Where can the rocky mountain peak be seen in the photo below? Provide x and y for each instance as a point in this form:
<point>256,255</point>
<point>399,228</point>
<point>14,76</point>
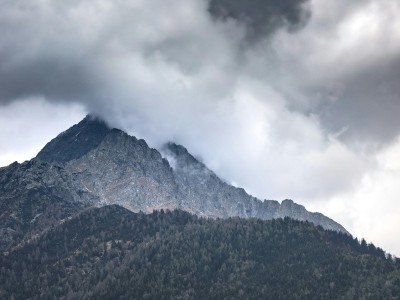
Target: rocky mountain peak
<point>76,141</point>
<point>120,169</point>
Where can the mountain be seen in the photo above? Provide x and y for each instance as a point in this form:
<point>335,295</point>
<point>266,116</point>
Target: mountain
<point>98,214</point>
<point>120,169</point>
<point>92,165</point>
<point>113,253</point>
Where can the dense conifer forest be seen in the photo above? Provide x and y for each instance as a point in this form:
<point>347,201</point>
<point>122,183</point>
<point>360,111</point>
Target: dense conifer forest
<point>112,253</point>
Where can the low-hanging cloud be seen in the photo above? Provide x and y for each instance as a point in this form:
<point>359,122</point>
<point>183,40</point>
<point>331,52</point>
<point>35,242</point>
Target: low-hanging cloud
<point>277,114</point>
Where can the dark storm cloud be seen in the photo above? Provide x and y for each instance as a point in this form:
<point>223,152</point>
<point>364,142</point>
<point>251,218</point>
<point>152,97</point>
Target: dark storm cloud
<point>262,17</point>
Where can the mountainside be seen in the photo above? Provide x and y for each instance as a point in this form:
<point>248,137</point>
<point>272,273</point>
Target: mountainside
<point>35,195</point>
<point>121,169</point>
<point>113,253</point>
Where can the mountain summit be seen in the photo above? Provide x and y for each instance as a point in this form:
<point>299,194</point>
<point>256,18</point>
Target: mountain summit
<point>117,168</point>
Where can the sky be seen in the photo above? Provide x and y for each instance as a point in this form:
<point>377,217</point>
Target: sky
<point>290,99</point>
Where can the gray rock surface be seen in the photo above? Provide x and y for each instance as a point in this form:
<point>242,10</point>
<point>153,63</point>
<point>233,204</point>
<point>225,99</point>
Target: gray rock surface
<point>34,196</point>
<point>203,193</point>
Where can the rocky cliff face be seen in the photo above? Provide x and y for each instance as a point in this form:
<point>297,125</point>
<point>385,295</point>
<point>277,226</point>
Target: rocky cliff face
<point>120,169</point>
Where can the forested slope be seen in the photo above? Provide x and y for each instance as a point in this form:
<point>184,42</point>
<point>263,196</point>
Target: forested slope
<point>111,253</point>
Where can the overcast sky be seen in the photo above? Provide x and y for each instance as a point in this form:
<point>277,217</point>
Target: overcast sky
<point>288,99</point>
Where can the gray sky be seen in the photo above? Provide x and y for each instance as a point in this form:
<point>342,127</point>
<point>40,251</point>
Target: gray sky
<point>288,99</point>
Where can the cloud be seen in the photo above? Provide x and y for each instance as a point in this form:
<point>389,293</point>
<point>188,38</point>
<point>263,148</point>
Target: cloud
<point>262,17</point>
<point>371,208</point>
<point>346,74</point>
<point>290,112</point>
<point>25,126</point>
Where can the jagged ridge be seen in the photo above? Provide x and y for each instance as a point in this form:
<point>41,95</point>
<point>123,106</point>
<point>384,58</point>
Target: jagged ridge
<point>123,170</point>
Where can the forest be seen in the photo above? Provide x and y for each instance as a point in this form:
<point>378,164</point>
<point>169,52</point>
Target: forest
<point>113,253</point>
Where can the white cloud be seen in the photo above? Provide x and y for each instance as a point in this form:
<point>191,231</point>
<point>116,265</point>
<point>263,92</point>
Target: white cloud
<point>371,209</point>
<point>342,40</point>
<point>27,125</point>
